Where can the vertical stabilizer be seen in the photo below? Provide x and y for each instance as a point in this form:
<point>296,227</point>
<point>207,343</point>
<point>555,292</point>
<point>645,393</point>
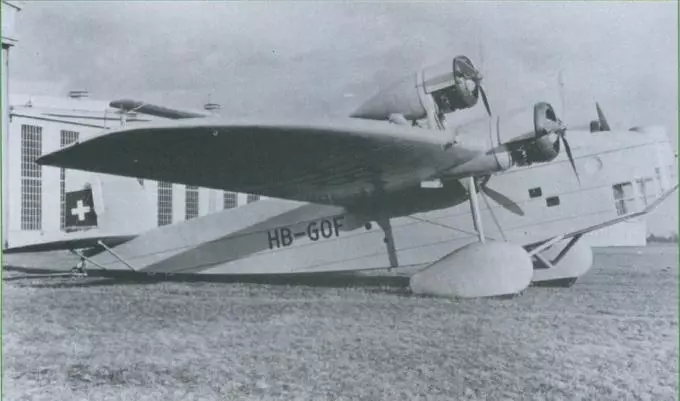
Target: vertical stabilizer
<point>111,204</point>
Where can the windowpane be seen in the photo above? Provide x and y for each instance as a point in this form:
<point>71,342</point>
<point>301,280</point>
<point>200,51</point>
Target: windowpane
<point>31,178</point>
<point>624,199</point>
<point>552,201</point>
<point>230,200</point>
<point>164,203</point>
<point>535,192</point>
<point>191,200</point>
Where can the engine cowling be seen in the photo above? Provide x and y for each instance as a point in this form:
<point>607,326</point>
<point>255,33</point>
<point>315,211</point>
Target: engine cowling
<point>439,89</point>
<point>545,146</point>
<point>532,136</point>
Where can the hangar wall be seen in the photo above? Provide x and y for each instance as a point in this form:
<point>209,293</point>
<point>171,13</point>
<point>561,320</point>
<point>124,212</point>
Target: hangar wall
<point>39,125</point>
<point>9,12</point>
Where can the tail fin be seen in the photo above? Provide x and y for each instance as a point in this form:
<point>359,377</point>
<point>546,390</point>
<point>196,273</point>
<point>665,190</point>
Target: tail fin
<point>110,203</point>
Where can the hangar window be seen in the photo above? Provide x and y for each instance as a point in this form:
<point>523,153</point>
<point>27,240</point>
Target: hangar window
<point>191,202</point>
<point>624,198</point>
<point>552,201</point>
<point>164,203</point>
<point>535,192</point>
<point>31,178</point>
<point>67,138</point>
<point>252,198</point>
<point>230,200</point>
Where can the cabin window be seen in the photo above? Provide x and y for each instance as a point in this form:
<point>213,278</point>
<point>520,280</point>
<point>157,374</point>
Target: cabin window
<point>164,203</point>
<point>552,201</point>
<point>535,192</point>
<point>191,202</point>
<point>624,198</point>
<point>252,198</point>
<point>31,178</point>
<point>67,138</point>
<point>645,190</point>
<point>659,179</point>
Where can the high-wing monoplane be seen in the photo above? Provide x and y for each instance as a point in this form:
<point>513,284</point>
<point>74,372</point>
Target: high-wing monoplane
<point>397,163</point>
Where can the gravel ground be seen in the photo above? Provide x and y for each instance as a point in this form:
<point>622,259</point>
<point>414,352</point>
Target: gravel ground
<point>613,336</point>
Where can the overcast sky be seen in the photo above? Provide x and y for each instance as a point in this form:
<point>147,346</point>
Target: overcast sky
<point>314,58</point>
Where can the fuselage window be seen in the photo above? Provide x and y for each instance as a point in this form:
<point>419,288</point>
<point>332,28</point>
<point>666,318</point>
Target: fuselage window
<point>624,198</point>
<point>645,190</point>
<point>552,201</point>
<point>535,192</point>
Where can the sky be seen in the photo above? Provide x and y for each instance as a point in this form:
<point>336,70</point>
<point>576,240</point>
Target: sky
<point>325,59</point>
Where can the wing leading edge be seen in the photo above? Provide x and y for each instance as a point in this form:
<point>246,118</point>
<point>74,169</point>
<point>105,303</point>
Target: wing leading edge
<point>315,162</point>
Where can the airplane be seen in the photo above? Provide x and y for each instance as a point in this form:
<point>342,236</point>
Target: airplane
<point>398,164</point>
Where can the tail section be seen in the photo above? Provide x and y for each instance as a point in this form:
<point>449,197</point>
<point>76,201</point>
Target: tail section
<point>110,204</point>
<point>98,209</point>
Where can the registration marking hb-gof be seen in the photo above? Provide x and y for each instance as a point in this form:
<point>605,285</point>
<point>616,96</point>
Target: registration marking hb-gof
<point>315,230</point>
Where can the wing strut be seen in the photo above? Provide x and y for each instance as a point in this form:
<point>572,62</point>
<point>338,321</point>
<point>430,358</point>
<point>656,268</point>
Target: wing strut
<point>116,256</point>
<point>81,267</point>
<point>474,209</point>
<point>386,226</point>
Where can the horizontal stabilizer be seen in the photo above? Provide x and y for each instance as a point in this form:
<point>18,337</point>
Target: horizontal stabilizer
<point>71,243</point>
<point>154,110</point>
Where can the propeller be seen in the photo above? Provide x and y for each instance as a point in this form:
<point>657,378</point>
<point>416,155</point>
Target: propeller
<point>551,124</point>
<point>498,197</point>
<point>463,66</point>
<point>563,137</point>
<point>503,200</point>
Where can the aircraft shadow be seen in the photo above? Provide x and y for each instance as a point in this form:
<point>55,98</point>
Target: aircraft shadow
<point>384,283</point>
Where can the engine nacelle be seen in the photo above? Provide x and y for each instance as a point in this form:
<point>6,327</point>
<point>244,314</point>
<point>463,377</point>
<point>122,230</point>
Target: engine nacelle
<point>440,89</point>
<point>545,146</point>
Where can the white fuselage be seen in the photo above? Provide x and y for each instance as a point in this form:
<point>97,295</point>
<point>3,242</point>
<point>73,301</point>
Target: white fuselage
<point>620,173</point>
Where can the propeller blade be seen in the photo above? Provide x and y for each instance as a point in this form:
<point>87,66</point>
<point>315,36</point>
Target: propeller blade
<point>567,148</point>
<point>484,99</point>
<point>503,201</point>
<point>604,125</point>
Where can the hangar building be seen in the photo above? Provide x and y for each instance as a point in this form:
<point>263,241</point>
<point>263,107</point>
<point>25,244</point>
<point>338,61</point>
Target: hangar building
<point>39,125</point>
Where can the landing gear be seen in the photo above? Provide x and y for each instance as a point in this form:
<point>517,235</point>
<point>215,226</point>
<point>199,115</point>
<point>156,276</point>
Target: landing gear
<point>386,226</point>
<point>561,267</point>
<point>481,269</point>
<point>80,269</point>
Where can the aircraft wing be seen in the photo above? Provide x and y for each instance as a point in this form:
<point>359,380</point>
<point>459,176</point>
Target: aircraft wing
<point>71,243</point>
<point>608,223</point>
<point>154,110</point>
<point>322,162</point>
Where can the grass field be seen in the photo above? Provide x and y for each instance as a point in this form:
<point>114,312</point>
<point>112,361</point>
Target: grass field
<point>613,336</point>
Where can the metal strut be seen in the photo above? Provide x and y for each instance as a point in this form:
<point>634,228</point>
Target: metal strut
<point>474,208</point>
<point>386,226</point>
<point>85,258</point>
<point>116,255</point>
<point>550,264</point>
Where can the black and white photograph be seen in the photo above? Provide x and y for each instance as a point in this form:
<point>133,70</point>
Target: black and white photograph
<point>307,200</point>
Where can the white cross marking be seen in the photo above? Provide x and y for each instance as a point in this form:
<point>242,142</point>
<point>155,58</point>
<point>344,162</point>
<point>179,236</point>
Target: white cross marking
<point>81,210</point>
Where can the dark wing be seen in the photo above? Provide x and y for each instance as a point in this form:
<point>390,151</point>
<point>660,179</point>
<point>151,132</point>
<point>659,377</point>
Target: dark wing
<point>325,162</point>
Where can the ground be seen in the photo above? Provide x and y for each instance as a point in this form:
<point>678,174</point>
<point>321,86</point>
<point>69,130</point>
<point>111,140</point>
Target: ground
<point>612,336</point>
